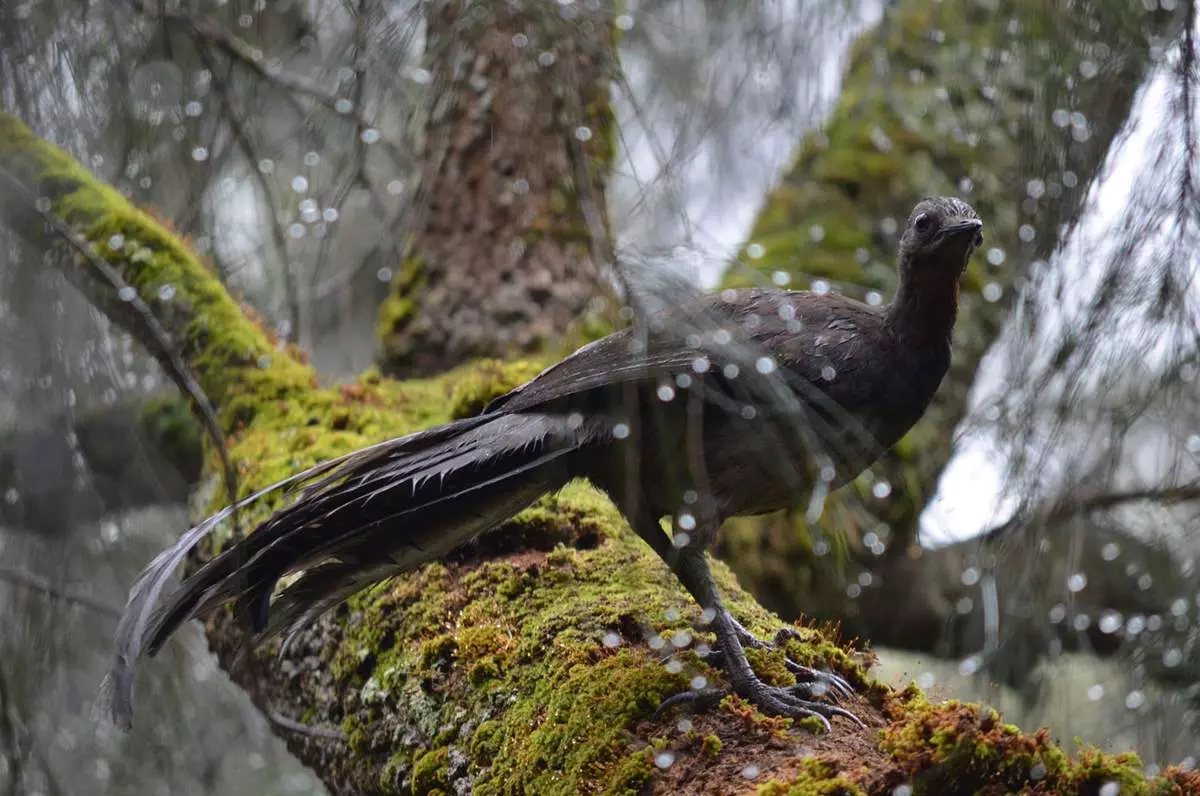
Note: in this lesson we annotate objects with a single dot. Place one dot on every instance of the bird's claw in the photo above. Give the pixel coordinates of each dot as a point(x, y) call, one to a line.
point(788, 702)
point(815, 681)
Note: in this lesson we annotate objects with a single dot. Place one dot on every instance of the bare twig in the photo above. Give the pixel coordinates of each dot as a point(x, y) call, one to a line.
point(1074, 506)
point(28, 580)
point(279, 720)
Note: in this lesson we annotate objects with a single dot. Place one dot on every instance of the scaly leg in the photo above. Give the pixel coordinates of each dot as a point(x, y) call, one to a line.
point(692, 569)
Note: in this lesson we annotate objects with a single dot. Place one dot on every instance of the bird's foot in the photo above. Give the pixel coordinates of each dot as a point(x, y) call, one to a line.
point(792, 702)
point(814, 683)
point(797, 701)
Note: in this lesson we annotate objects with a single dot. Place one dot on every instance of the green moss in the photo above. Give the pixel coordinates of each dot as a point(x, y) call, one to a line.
point(817, 777)
point(487, 380)
point(430, 773)
point(710, 746)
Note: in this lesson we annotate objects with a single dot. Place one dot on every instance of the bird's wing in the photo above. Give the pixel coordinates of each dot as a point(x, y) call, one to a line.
point(759, 324)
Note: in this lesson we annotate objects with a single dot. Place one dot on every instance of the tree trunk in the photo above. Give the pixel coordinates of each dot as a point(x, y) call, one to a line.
point(518, 142)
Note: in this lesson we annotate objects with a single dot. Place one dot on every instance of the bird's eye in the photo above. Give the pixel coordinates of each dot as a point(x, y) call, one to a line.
point(923, 222)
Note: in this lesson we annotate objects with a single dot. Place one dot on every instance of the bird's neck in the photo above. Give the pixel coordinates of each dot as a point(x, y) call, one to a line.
point(924, 308)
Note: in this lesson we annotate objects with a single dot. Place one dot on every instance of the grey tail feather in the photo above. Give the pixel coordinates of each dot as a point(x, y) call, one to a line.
point(339, 492)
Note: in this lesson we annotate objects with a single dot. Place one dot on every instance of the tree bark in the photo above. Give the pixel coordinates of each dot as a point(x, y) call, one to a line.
point(531, 661)
point(518, 142)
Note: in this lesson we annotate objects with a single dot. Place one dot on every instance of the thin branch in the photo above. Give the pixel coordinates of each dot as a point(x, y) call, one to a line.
point(1072, 506)
point(28, 580)
point(155, 336)
point(279, 720)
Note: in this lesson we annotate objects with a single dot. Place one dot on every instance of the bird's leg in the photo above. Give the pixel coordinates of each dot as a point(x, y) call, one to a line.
point(692, 569)
point(819, 682)
point(812, 683)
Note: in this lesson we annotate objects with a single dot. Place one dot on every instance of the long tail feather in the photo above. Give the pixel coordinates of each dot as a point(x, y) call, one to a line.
point(356, 520)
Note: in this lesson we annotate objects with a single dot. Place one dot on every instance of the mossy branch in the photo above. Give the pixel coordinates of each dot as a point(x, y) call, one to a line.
point(231, 355)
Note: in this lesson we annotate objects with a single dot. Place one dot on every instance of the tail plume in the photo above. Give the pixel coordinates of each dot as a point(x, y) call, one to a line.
point(355, 520)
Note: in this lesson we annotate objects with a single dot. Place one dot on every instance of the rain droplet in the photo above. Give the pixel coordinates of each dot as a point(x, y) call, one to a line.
point(266, 166)
point(395, 188)
point(730, 371)
point(116, 242)
point(620, 431)
point(681, 639)
point(664, 760)
point(820, 287)
point(1110, 551)
point(264, 361)
point(750, 771)
point(781, 278)
point(828, 373)
point(369, 135)
point(1026, 233)
point(874, 298)
point(546, 58)
point(1095, 692)
point(623, 22)
point(881, 489)
point(684, 725)
point(1172, 657)
point(1077, 582)
point(166, 292)
point(968, 666)
point(902, 790)
point(683, 380)
point(681, 540)
point(1035, 189)
point(700, 364)
point(193, 108)
point(657, 642)
point(817, 233)
point(698, 682)
point(611, 639)
point(384, 274)
point(707, 616)
point(1135, 699)
point(1037, 771)
point(583, 133)
point(127, 293)
point(666, 392)
point(200, 154)
point(995, 256)
point(343, 105)
point(299, 183)
point(1110, 622)
point(970, 576)
point(672, 614)
point(1109, 789)
point(764, 365)
point(520, 40)
point(574, 420)
point(926, 680)
point(674, 666)
point(296, 230)
point(755, 251)
point(330, 214)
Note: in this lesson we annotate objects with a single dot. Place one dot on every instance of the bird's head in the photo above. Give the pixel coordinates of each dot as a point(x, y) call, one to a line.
point(941, 235)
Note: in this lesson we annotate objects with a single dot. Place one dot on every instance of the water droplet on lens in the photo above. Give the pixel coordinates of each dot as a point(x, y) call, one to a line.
point(681, 540)
point(664, 760)
point(611, 639)
point(755, 251)
point(684, 725)
point(750, 772)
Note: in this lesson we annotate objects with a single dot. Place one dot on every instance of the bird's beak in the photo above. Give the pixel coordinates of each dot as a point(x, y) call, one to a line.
point(966, 227)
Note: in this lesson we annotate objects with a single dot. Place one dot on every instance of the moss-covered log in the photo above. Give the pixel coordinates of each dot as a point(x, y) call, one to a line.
point(532, 661)
point(1011, 104)
point(519, 141)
